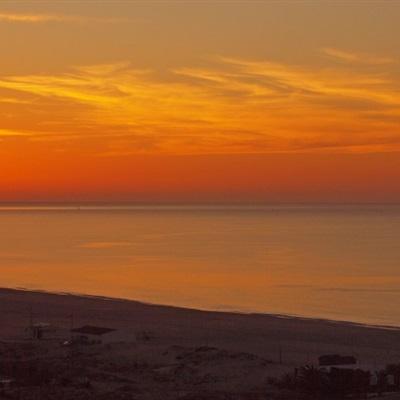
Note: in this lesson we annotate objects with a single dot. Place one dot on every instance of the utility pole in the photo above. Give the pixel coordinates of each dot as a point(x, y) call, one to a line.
point(71, 323)
point(31, 331)
point(30, 317)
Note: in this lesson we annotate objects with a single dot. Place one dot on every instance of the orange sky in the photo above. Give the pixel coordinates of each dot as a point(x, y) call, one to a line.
point(199, 101)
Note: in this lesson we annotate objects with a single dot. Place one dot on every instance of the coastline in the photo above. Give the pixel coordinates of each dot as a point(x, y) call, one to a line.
point(205, 310)
point(300, 340)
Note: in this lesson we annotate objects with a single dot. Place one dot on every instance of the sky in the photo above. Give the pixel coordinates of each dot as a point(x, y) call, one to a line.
point(200, 101)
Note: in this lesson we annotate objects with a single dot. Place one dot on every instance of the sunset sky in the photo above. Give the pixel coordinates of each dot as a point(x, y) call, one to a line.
point(295, 101)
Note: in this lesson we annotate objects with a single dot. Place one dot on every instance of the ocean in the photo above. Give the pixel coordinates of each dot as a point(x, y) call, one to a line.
point(337, 262)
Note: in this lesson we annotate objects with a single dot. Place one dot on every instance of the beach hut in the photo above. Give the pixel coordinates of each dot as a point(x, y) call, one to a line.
point(329, 361)
point(89, 334)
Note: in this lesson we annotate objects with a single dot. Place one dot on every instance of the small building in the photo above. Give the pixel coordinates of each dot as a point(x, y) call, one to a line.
point(331, 360)
point(89, 334)
point(336, 361)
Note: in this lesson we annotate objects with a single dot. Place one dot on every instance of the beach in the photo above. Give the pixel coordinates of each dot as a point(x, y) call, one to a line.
point(172, 352)
point(198, 200)
point(333, 262)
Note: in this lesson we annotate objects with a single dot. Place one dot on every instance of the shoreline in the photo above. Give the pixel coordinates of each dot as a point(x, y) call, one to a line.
point(302, 340)
point(205, 310)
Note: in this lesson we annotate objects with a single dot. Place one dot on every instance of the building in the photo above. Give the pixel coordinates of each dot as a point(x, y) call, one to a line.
point(89, 334)
point(335, 362)
point(330, 361)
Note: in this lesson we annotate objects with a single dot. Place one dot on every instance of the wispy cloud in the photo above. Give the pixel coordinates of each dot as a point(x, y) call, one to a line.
point(231, 106)
point(43, 18)
point(13, 100)
point(353, 57)
point(30, 18)
point(7, 133)
point(104, 245)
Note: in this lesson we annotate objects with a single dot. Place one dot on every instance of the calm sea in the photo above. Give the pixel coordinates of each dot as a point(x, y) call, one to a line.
point(339, 262)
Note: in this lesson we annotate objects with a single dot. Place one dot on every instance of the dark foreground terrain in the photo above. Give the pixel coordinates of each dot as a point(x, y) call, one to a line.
point(128, 371)
point(165, 352)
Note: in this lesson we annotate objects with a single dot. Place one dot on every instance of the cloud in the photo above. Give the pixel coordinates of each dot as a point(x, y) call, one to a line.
point(43, 18)
point(13, 100)
point(104, 245)
point(231, 105)
point(352, 57)
point(330, 83)
point(4, 133)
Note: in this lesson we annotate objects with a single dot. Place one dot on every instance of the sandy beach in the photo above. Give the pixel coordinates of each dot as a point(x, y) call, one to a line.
point(182, 352)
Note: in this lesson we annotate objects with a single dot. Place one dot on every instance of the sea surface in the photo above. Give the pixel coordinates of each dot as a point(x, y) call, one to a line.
point(334, 262)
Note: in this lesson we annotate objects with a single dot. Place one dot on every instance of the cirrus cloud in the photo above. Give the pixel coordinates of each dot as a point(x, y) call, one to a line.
point(232, 105)
point(43, 18)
